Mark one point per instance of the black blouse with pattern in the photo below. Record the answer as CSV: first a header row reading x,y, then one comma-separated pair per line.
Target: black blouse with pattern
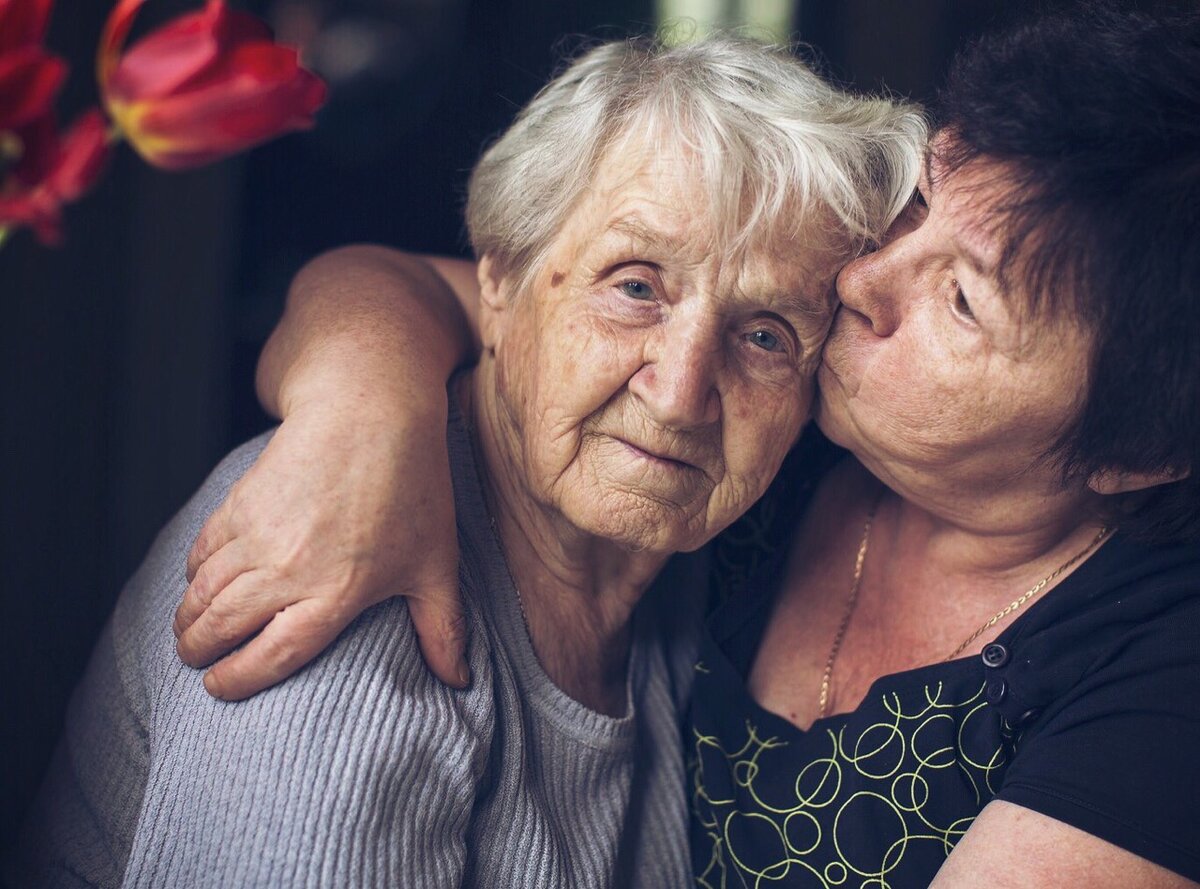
x,y
1087,710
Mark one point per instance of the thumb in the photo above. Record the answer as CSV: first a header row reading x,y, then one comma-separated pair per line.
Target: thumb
x,y
441,626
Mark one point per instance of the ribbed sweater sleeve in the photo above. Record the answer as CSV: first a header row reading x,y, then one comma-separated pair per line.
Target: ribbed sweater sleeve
x,y
360,771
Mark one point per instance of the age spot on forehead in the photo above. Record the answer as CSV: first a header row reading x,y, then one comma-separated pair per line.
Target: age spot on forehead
x,y
557,278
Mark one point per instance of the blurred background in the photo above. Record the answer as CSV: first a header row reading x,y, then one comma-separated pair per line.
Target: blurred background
x,y
128,353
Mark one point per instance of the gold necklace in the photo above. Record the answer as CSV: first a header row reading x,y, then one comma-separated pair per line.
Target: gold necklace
x,y
1029,593
852,601
827,676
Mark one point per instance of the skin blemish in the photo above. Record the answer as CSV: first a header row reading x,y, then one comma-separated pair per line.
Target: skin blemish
x,y
557,278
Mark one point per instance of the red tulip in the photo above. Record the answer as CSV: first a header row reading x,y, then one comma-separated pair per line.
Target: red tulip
x,y
48,171
22,23
29,76
202,87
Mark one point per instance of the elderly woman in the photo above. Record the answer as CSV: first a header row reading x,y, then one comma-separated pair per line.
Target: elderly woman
x,y
969,650
657,236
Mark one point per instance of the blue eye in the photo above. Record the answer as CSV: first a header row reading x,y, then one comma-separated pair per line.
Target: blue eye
x,y
639,290
764,339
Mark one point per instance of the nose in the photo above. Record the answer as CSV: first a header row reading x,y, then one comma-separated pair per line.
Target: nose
x,y
677,381
874,285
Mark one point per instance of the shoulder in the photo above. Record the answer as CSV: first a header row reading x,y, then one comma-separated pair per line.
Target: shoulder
x,y
1130,610
377,657
1101,691
140,626
363,725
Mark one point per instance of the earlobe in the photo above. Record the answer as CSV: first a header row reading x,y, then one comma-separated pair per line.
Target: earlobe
x,y
1115,481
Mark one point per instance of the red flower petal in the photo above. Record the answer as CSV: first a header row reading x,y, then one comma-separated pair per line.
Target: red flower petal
x,y
36,210
113,37
233,28
263,93
23,23
53,172
168,59
160,62
39,150
204,86
29,80
81,158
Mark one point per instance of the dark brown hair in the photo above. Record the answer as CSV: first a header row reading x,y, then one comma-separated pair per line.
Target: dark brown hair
x,y
1096,110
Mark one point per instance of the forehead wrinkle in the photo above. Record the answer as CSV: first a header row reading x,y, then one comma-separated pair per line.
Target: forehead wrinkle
x,y
808,307
634,225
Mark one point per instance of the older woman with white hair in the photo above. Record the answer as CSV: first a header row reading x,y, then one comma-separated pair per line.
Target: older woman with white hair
x,y
657,237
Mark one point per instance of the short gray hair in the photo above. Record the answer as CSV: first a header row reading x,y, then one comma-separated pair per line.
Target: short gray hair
x,y
780,149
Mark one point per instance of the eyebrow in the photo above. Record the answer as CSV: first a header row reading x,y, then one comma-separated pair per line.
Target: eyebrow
x,y
974,258
977,263
635,227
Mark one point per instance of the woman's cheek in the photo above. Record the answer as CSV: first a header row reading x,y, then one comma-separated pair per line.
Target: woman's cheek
x,y
760,430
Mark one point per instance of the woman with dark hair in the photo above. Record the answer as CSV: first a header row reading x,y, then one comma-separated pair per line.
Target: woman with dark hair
x,y
966,649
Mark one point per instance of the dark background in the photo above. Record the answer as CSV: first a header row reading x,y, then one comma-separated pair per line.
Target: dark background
x,y
128,353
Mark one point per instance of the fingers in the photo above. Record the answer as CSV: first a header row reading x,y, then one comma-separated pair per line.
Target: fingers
x,y
217,532
289,641
214,574
243,608
441,627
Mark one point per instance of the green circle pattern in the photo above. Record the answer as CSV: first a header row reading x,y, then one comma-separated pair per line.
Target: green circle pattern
x,y
884,773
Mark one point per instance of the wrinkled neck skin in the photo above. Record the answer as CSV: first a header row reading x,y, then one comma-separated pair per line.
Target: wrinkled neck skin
x,y
995,534
578,591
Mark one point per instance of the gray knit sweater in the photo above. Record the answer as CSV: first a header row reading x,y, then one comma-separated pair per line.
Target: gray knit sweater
x,y
363,770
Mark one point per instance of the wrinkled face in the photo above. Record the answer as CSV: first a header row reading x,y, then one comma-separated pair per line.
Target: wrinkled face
x,y
652,386
934,375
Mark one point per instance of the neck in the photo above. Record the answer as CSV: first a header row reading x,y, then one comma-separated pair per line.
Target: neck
x,y
1007,547
925,561
577,591
990,528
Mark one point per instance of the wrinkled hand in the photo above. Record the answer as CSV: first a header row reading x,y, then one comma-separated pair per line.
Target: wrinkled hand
x,y
337,515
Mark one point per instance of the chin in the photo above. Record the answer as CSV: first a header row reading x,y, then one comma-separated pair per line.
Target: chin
x,y
634,522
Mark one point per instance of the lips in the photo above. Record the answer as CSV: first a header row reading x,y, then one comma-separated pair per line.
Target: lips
x,y
670,457
655,454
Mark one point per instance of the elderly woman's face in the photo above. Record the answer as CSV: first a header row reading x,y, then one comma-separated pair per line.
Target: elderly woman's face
x,y
933,373
652,387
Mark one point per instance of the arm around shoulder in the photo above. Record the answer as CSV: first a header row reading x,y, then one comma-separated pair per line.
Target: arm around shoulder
x,y
372,318
352,501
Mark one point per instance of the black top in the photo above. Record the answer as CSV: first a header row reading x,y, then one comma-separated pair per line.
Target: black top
x,y
1086,709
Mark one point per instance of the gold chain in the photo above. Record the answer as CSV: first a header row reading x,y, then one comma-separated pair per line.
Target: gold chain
x,y
827,676
852,601
1030,593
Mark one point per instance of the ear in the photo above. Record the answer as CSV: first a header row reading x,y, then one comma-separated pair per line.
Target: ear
x,y
1115,481
493,302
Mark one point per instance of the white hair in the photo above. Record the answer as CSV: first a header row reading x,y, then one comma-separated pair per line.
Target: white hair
x,y
780,150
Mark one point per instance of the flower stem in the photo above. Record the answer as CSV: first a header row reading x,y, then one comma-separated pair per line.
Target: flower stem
x,y
4,233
